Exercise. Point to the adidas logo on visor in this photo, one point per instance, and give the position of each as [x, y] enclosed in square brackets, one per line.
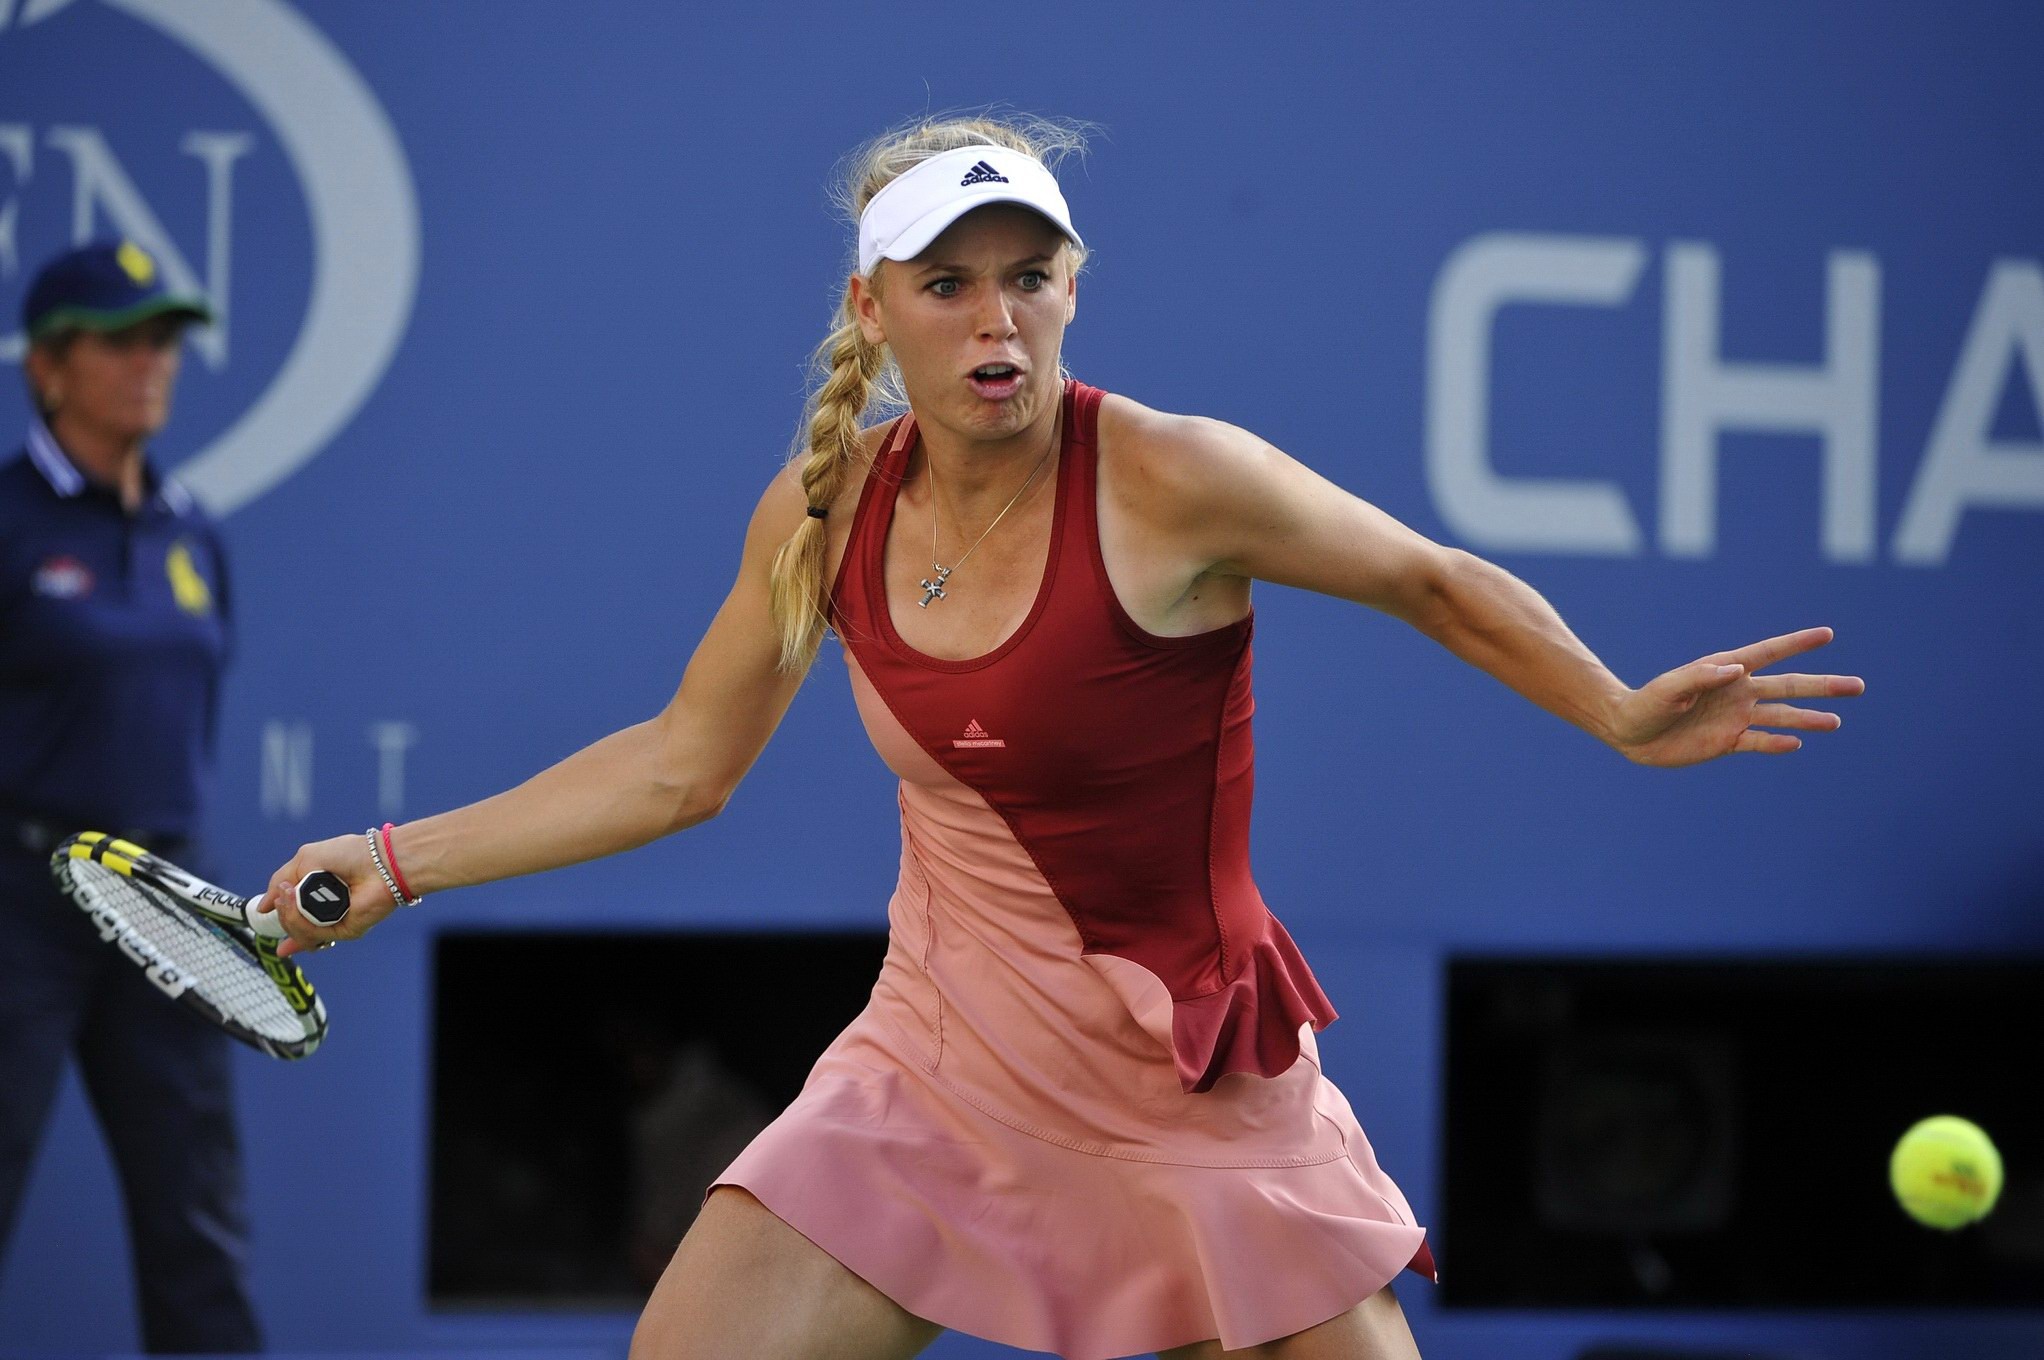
[916, 206]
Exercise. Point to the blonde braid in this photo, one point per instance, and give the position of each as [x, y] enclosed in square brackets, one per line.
[797, 600]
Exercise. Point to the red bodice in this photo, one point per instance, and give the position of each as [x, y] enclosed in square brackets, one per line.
[1121, 760]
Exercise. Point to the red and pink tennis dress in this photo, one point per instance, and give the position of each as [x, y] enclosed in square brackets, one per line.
[1083, 1112]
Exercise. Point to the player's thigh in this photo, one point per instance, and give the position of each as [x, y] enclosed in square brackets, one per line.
[744, 1285]
[1372, 1330]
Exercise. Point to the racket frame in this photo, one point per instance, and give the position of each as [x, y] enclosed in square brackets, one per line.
[230, 915]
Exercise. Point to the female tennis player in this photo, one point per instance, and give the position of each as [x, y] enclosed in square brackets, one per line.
[1083, 1111]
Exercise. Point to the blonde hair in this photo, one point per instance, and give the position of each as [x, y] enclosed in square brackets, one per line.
[855, 378]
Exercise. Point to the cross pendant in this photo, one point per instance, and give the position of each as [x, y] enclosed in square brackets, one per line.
[933, 590]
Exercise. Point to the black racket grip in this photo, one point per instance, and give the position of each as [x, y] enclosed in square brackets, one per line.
[323, 897]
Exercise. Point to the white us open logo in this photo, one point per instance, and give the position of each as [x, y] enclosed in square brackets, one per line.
[358, 193]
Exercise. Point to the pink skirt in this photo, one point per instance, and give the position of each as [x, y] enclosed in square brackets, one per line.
[981, 1228]
[1001, 1142]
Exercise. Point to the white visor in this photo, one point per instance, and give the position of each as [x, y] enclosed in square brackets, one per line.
[918, 204]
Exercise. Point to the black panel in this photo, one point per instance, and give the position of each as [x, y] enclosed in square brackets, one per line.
[586, 1088]
[1716, 1134]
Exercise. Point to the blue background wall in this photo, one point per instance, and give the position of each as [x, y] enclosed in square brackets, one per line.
[509, 538]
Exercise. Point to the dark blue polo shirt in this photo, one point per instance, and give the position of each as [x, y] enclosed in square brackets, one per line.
[114, 630]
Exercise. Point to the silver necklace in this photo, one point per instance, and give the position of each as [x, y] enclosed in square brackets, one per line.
[934, 589]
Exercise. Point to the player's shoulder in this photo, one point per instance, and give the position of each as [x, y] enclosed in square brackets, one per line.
[1131, 419]
[1163, 457]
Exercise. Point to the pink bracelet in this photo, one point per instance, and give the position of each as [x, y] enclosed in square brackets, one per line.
[410, 898]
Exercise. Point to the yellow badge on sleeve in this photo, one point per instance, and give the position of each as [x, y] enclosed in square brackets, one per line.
[194, 596]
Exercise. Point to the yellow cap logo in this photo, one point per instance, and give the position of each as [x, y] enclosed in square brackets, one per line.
[137, 263]
[193, 595]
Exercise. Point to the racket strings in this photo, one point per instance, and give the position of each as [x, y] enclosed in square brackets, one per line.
[217, 967]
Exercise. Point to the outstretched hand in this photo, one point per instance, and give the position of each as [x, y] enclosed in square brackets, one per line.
[1719, 705]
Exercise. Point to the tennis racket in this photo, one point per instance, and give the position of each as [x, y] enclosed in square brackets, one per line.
[200, 944]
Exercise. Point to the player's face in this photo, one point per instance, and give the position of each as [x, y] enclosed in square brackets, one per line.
[977, 321]
[116, 385]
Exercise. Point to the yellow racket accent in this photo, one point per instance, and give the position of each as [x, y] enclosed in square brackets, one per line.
[297, 989]
[116, 854]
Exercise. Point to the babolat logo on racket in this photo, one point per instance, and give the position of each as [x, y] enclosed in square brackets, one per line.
[124, 937]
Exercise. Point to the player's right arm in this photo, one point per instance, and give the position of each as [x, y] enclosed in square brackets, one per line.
[672, 771]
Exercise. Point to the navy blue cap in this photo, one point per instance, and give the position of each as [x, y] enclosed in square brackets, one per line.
[103, 286]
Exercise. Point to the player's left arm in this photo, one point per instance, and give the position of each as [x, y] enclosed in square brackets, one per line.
[1240, 507]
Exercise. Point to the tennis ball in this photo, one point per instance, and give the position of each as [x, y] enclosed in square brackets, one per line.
[1945, 1172]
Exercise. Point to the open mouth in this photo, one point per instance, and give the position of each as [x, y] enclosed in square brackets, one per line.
[995, 382]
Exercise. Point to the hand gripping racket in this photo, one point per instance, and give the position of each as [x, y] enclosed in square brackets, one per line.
[200, 944]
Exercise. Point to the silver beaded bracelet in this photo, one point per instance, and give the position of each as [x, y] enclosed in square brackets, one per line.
[389, 879]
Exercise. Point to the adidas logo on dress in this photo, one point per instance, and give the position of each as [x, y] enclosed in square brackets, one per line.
[976, 736]
[982, 173]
